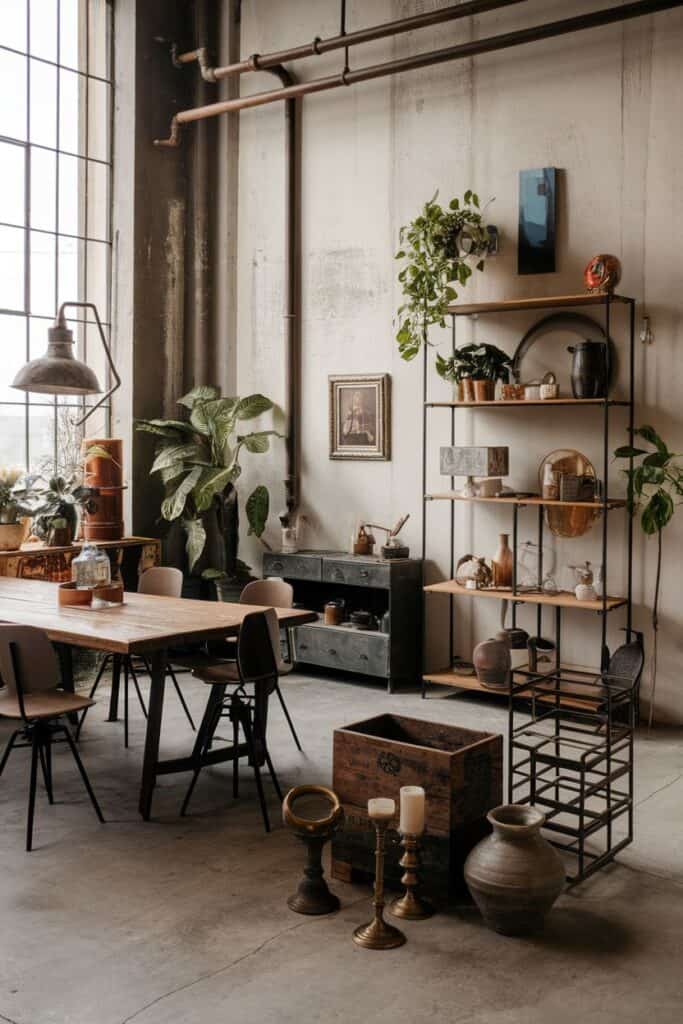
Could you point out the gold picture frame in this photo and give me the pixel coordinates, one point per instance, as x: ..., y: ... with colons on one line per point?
x: 360, y: 416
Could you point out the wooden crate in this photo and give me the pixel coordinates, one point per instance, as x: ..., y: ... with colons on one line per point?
x: 461, y: 771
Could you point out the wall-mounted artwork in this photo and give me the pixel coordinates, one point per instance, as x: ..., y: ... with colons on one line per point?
x: 360, y: 417
x: 536, y: 239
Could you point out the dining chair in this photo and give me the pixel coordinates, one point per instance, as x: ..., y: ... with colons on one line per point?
x: 275, y: 593
x: 255, y: 666
x: 162, y: 581
x: 31, y: 696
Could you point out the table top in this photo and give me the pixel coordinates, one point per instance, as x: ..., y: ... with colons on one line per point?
x: 33, y: 547
x: 142, y: 623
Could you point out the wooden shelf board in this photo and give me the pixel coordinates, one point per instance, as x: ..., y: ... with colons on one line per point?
x: 521, y: 402
x: 547, y: 302
x: 449, y: 677
x: 564, y: 599
x: 535, y: 500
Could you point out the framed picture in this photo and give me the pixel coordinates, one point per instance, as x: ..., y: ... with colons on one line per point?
x: 360, y: 417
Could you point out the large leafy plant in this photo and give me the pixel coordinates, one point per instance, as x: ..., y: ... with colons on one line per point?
x: 198, y: 461
x: 60, y: 497
x: 437, y: 248
x: 480, y: 362
x: 655, y: 488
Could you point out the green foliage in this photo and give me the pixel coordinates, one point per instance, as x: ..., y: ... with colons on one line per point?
x: 60, y: 498
x: 480, y: 362
x: 199, y: 461
x: 654, y: 481
x: 438, y: 248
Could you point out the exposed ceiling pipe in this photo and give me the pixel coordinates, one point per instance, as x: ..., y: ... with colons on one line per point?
x: 596, y: 19
x: 264, y: 61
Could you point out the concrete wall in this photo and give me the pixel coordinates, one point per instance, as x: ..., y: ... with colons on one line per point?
x: 604, y: 107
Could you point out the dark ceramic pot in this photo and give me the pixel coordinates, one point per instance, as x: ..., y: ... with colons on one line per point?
x: 589, y: 369
x: 491, y: 659
x: 514, y: 875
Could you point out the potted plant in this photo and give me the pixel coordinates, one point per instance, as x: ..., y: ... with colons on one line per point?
x: 655, y: 488
x: 483, y: 365
x: 199, y: 465
x: 60, y: 503
x: 438, y: 249
x: 14, y: 511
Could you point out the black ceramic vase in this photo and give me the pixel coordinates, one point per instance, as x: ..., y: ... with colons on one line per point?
x: 589, y: 369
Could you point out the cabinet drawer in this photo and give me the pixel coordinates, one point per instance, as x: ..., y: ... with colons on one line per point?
x: 292, y: 567
x: 363, y: 574
x: 350, y: 650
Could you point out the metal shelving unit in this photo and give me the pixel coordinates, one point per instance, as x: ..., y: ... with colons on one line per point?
x: 603, y: 407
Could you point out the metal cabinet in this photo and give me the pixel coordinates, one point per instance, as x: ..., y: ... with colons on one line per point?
x: 370, y: 583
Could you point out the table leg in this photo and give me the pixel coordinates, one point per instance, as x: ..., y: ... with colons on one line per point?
x: 151, y: 757
x: 66, y: 665
x: 115, y: 686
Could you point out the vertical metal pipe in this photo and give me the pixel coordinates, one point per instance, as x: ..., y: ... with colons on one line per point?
x: 605, y: 482
x: 424, y: 513
x: 452, y: 537
x: 631, y: 399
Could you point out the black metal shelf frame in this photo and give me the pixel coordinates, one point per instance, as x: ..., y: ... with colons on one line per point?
x: 604, y: 407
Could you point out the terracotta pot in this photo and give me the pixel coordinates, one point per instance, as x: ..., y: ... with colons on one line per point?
x: 13, y: 535
x: 502, y: 563
x: 465, y: 390
x: 484, y: 390
x: 514, y: 874
x: 492, y: 663
x: 101, y: 472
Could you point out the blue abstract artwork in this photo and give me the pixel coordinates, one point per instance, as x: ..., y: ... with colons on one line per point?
x: 536, y: 238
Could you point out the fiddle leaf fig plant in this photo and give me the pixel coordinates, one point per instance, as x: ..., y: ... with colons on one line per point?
x: 198, y: 461
x: 655, y: 489
x: 437, y: 250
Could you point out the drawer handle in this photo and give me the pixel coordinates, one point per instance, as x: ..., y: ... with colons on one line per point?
x: 303, y: 647
x: 363, y: 657
x: 364, y: 573
x: 338, y: 575
x: 331, y: 650
x: 277, y: 565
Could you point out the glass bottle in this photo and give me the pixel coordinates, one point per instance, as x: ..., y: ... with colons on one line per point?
x: 91, y: 568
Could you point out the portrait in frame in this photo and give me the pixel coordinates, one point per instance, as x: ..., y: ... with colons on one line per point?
x: 360, y: 416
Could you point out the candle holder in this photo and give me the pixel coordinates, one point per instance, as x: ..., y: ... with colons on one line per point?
x: 312, y: 895
x: 410, y: 905
x: 377, y: 934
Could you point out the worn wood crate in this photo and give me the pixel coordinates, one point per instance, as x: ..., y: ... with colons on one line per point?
x: 461, y: 771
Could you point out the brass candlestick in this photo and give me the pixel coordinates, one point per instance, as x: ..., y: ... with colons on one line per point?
x: 377, y: 934
x: 410, y: 905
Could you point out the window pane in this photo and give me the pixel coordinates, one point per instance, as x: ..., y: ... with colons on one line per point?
x: 12, y: 268
x: 98, y: 201
x: 43, y: 128
x: 42, y: 274
x: 71, y: 86
x: 99, y: 97
x: 68, y: 33
x: 71, y: 194
x: 99, y: 29
x: 41, y: 434
x: 43, y: 42
x: 13, y: 83
x: 13, y: 24
x: 98, y: 276
x: 13, y: 434
x: 70, y: 270
x: 13, y: 342
x: 43, y: 189
x: 12, y: 163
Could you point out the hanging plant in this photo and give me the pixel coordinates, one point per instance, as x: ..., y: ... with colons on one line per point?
x: 439, y: 248
x: 655, y: 488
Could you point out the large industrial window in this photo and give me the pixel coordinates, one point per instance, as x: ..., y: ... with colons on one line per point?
x: 55, y: 205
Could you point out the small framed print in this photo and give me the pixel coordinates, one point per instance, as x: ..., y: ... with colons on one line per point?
x: 360, y: 417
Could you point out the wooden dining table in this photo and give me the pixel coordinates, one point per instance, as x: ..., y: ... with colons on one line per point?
x: 144, y: 624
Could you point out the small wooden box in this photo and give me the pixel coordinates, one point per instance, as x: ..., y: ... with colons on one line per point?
x: 461, y: 771
x: 474, y: 460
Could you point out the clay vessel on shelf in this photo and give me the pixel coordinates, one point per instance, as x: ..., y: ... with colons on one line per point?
x: 514, y: 875
x: 491, y: 659
x: 502, y: 563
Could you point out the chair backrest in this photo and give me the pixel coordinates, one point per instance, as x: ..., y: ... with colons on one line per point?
x: 28, y: 662
x: 161, y: 580
x: 274, y: 633
x: 256, y: 663
x: 627, y: 663
x: 274, y: 593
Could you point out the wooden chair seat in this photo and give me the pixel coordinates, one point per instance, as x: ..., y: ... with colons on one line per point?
x: 43, y: 704
x: 217, y: 672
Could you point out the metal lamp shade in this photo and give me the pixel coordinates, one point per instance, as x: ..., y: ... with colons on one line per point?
x: 58, y: 372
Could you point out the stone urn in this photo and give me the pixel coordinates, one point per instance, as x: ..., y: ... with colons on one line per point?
x: 492, y: 662
x: 514, y: 875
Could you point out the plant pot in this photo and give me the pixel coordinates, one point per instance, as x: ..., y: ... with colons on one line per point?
x: 229, y: 590
x: 8, y: 515
x: 13, y: 535
x: 491, y: 659
x: 514, y: 874
x: 465, y: 390
x: 99, y: 471
x: 484, y: 390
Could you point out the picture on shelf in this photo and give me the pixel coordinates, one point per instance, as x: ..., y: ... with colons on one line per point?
x: 360, y: 425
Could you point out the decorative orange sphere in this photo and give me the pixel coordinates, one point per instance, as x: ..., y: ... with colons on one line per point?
x: 602, y: 274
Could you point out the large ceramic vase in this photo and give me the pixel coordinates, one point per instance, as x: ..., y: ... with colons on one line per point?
x: 492, y: 663
x: 514, y: 875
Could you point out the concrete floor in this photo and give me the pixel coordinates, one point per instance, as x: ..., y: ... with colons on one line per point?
x: 184, y: 920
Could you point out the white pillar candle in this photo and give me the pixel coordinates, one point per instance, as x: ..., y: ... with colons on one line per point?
x: 381, y: 808
x: 412, y: 821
